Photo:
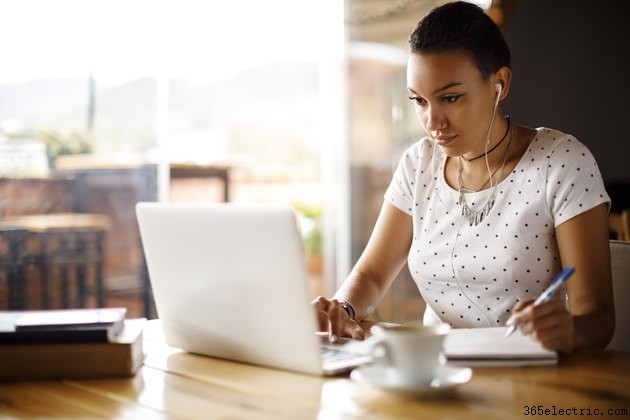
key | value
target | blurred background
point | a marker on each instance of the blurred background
(107, 103)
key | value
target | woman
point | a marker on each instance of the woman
(484, 211)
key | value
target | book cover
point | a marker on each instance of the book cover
(121, 357)
(61, 325)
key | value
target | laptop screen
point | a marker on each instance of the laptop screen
(229, 281)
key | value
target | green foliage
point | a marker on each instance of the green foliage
(313, 236)
(58, 144)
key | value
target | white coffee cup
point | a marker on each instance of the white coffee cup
(410, 352)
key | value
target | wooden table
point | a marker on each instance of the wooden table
(177, 384)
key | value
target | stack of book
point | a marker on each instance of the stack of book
(69, 344)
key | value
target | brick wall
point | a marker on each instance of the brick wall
(23, 196)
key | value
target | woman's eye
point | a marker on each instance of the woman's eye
(418, 100)
(449, 99)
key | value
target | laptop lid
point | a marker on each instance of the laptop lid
(229, 281)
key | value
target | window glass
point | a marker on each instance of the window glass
(107, 103)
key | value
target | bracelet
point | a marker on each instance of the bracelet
(347, 306)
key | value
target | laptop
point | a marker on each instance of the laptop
(230, 281)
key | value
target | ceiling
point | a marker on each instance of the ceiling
(384, 21)
(391, 21)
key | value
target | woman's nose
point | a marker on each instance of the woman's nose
(435, 120)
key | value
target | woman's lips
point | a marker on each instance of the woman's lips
(444, 140)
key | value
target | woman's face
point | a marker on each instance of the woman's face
(453, 101)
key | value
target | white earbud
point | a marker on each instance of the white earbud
(498, 88)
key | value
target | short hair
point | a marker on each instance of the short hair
(465, 27)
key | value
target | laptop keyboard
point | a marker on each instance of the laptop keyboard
(329, 354)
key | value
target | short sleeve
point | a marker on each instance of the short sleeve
(574, 182)
(401, 189)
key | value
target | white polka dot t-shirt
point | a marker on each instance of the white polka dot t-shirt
(472, 276)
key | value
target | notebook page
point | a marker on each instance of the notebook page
(489, 344)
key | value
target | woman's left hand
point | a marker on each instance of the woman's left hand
(549, 323)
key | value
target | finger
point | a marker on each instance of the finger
(366, 326)
(520, 306)
(526, 311)
(520, 313)
(556, 326)
(547, 308)
(355, 330)
(321, 309)
(549, 335)
(542, 315)
(536, 327)
(555, 339)
(320, 303)
(531, 323)
(549, 320)
(334, 319)
(322, 321)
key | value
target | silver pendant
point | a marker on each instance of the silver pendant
(475, 217)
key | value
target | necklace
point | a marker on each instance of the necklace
(470, 190)
(495, 146)
(475, 217)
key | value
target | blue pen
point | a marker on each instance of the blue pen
(556, 283)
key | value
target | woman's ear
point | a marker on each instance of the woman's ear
(503, 77)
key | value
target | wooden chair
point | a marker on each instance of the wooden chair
(620, 260)
(65, 242)
(619, 225)
(12, 241)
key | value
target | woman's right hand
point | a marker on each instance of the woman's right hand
(334, 320)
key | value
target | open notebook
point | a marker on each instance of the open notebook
(485, 347)
(480, 347)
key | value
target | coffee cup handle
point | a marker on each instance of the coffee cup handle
(380, 352)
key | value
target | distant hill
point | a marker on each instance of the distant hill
(42, 102)
(254, 106)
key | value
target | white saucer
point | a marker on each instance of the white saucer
(448, 377)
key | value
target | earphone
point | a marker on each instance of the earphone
(498, 87)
